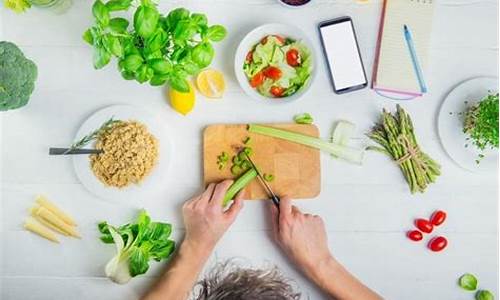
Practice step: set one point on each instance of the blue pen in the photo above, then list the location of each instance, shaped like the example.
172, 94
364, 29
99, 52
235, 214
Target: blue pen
414, 59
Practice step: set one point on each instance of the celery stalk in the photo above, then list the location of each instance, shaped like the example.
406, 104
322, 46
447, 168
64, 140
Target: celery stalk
347, 153
238, 185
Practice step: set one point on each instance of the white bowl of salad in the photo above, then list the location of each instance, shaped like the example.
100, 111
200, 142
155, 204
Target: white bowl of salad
275, 63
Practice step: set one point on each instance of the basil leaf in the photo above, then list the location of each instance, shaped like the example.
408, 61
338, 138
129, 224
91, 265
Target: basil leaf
184, 30
132, 62
138, 261
216, 33
154, 55
87, 36
100, 12
203, 54
127, 75
115, 5
118, 25
146, 20
113, 45
191, 68
160, 65
484, 295
468, 282
178, 83
143, 74
158, 80
101, 57
175, 16
157, 40
199, 19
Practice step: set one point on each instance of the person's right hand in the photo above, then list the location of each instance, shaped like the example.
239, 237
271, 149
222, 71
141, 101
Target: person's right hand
301, 236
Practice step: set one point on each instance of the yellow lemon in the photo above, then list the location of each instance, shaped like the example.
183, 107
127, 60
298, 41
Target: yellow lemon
211, 83
182, 102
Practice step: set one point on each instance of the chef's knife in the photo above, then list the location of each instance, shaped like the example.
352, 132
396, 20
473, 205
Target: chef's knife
69, 151
274, 198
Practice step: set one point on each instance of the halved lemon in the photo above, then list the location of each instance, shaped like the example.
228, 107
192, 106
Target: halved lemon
211, 83
182, 102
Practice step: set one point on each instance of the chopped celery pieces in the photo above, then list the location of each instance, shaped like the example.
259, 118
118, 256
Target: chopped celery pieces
344, 152
238, 185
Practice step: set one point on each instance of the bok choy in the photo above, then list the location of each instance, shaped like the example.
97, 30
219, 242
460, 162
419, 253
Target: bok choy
136, 244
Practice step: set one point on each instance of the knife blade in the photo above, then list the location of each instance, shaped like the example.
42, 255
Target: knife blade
272, 195
69, 151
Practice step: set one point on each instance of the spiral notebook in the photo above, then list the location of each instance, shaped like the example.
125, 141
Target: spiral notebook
394, 72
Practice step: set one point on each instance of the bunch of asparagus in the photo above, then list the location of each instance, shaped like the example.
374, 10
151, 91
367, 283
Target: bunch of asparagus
395, 134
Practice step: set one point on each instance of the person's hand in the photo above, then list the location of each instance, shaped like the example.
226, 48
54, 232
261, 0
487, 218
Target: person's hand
205, 218
301, 236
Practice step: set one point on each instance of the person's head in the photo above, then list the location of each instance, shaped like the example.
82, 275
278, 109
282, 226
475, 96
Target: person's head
230, 282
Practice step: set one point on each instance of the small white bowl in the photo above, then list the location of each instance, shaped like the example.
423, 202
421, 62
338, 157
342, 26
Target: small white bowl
253, 38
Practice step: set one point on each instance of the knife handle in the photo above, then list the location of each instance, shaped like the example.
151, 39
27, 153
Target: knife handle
276, 201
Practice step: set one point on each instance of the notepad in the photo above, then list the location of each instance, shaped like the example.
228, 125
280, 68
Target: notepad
393, 70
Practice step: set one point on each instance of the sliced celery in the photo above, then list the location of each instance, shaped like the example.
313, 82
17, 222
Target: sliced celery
238, 185
344, 152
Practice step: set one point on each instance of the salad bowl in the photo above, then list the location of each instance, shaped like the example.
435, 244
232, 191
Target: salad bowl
276, 34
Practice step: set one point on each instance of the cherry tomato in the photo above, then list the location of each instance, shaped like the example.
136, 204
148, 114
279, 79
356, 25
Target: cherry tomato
277, 91
292, 57
249, 57
272, 72
415, 235
438, 217
438, 243
424, 225
257, 80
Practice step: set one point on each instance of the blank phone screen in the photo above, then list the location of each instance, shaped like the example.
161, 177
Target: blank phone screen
343, 56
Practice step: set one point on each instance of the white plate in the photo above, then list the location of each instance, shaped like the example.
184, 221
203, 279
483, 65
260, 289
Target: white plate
153, 184
450, 125
253, 38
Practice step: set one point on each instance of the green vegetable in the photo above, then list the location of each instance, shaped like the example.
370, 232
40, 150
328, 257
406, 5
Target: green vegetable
484, 295
17, 6
396, 136
481, 123
17, 77
238, 185
347, 153
468, 282
236, 170
222, 160
159, 49
268, 177
271, 51
304, 118
136, 244
94, 134
342, 133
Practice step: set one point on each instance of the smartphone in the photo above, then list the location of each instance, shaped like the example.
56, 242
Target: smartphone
341, 49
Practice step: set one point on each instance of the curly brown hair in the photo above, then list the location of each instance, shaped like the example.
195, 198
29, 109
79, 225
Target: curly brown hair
230, 282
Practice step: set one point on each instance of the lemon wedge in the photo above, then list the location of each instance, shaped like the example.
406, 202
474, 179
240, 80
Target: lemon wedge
182, 102
211, 83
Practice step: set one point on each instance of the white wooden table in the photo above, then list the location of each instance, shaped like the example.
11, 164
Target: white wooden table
366, 209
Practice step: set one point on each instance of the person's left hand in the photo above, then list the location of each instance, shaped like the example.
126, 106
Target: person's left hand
205, 218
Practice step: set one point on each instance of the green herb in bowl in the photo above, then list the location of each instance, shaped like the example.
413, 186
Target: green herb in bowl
481, 123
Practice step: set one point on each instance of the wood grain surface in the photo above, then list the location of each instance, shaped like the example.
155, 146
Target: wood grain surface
296, 168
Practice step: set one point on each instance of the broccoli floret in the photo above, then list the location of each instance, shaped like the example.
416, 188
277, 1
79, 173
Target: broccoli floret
17, 77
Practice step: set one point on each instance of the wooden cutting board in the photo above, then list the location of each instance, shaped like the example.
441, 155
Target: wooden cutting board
296, 168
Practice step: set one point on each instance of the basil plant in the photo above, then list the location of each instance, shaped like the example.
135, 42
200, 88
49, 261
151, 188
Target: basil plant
156, 48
